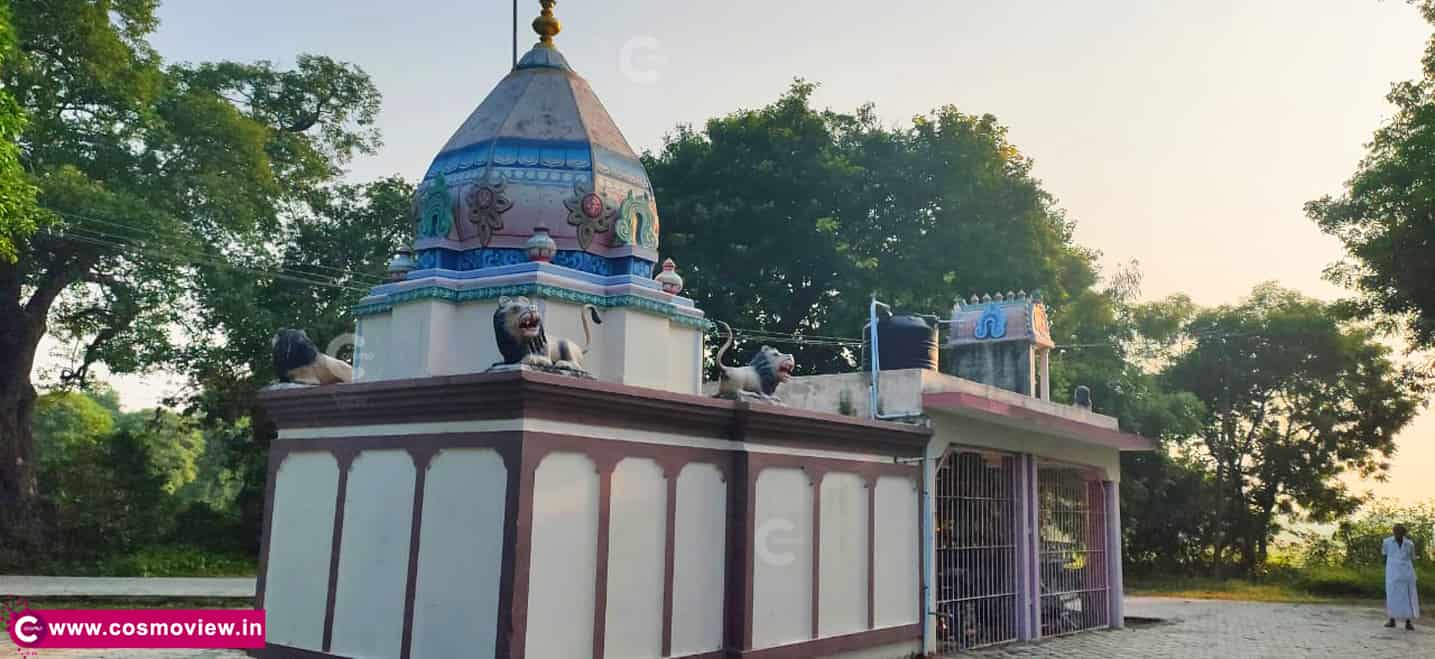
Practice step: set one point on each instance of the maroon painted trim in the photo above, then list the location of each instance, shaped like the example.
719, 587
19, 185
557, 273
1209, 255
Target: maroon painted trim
743, 520
523, 451
831, 645
345, 457
276, 458
276, 651
872, 553
536, 395
422, 458
509, 626
522, 553
508, 446
816, 469
606, 454
815, 482
670, 540
1028, 419
600, 579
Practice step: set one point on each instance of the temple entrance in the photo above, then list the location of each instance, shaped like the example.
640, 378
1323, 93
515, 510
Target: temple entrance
977, 504
1075, 593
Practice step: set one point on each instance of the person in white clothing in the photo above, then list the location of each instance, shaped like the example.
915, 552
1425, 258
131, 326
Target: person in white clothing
1400, 598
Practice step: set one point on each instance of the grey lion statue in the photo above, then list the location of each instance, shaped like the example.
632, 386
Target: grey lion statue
297, 360
760, 378
518, 329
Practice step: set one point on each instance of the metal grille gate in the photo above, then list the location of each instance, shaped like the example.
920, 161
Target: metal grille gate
977, 504
1072, 556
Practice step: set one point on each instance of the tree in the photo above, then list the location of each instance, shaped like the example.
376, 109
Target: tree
1386, 216
786, 219
18, 214
154, 175
107, 478
347, 229
1115, 346
1294, 398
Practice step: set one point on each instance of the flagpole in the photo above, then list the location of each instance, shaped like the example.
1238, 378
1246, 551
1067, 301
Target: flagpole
515, 33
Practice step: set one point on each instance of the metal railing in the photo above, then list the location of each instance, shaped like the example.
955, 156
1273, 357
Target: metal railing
977, 504
1075, 593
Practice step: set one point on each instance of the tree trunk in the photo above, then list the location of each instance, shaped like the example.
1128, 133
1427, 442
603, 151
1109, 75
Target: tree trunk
19, 492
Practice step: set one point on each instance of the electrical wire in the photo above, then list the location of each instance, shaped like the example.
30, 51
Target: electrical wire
300, 278
84, 229
173, 239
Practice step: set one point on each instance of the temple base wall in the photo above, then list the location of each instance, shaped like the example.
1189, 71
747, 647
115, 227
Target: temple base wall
602, 522
429, 337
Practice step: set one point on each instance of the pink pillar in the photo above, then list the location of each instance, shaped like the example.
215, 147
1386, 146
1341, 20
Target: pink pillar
1031, 532
1113, 554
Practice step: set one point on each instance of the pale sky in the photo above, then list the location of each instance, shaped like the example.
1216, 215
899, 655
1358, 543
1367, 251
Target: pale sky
1186, 135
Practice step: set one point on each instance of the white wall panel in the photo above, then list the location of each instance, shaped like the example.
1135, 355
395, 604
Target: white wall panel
699, 560
563, 560
374, 555
842, 603
782, 558
637, 543
460, 555
296, 586
895, 564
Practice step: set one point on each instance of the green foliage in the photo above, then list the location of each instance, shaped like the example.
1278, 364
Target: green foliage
67, 425
1294, 398
138, 493
166, 185
1386, 215
158, 561
1365, 582
1361, 537
18, 213
1315, 584
787, 218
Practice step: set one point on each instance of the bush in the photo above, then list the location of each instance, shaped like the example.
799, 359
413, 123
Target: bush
1365, 582
1362, 537
179, 561
155, 561
218, 531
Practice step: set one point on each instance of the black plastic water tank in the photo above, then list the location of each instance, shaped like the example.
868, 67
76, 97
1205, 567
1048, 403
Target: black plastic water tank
905, 341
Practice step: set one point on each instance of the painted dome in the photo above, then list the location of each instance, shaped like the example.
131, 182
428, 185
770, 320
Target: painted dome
539, 152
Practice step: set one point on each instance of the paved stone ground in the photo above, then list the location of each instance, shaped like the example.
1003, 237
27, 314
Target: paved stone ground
1208, 628
1191, 629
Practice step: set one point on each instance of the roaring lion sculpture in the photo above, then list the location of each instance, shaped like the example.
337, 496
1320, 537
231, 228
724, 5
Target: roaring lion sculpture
297, 360
518, 329
760, 378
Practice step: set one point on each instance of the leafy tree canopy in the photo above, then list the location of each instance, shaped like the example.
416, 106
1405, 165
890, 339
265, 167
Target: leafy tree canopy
18, 214
1386, 216
164, 184
786, 218
1294, 398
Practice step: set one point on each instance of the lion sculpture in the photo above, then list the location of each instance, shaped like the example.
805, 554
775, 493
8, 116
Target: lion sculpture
760, 378
518, 329
298, 361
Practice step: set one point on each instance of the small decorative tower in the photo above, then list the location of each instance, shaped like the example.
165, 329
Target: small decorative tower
1003, 340
537, 194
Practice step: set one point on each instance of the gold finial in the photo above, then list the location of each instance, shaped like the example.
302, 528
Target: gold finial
546, 25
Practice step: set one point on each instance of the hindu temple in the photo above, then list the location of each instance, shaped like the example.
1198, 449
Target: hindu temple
525, 465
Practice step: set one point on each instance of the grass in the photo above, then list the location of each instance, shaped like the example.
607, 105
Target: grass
1328, 585
1227, 589
49, 604
159, 561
